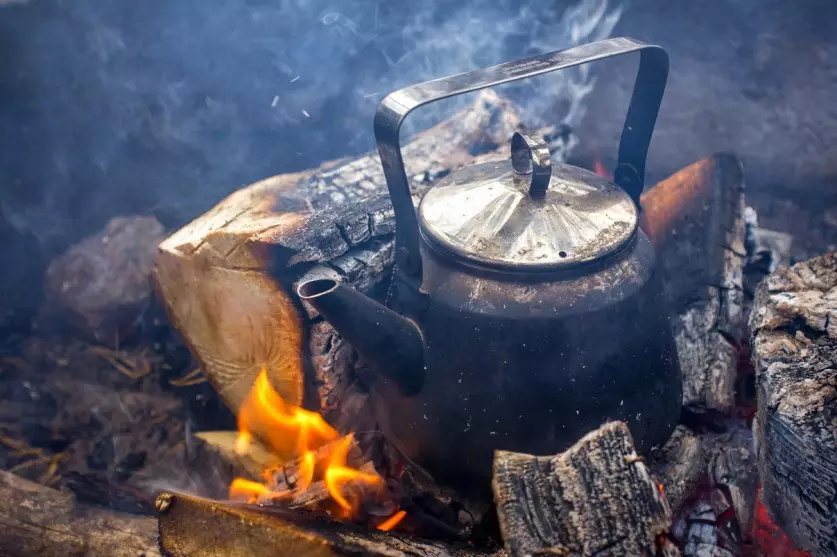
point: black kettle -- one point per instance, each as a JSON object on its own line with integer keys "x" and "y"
{"x": 526, "y": 308}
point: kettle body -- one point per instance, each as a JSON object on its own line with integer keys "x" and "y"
{"x": 526, "y": 308}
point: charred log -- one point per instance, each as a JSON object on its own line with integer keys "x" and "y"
{"x": 39, "y": 521}
{"x": 596, "y": 498}
{"x": 794, "y": 351}
{"x": 678, "y": 466}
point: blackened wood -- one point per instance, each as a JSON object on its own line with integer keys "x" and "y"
{"x": 794, "y": 352}
{"x": 596, "y": 498}
{"x": 678, "y": 466}
{"x": 37, "y": 521}
{"x": 696, "y": 220}
{"x": 194, "y": 527}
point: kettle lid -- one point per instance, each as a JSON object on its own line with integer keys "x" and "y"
{"x": 528, "y": 215}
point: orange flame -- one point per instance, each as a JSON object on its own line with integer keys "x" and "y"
{"x": 292, "y": 433}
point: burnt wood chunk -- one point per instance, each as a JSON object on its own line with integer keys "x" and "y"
{"x": 227, "y": 278}
{"x": 696, "y": 220}
{"x": 794, "y": 352}
{"x": 678, "y": 466}
{"x": 596, "y": 498}
{"x": 37, "y": 521}
{"x": 195, "y": 527}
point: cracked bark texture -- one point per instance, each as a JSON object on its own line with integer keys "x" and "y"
{"x": 794, "y": 351}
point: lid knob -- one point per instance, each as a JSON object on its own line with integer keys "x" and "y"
{"x": 530, "y": 155}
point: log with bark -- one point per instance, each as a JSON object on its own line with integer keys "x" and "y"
{"x": 228, "y": 277}
{"x": 794, "y": 352}
{"x": 37, "y": 521}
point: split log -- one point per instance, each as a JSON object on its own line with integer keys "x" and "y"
{"x": 227, "y": 278}
{"x": 195, "y": 527}
{"x": 696, "y": 220}
{"x": 596, "y": 498}
{"x": 794, "y": 352}
{"x": 678, "y": 466}
{"x": 39, "y": 521}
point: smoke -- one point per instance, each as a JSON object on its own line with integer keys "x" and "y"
{"x": 166, "y": 106}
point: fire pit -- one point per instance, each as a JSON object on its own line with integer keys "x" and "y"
{"x": 291, "y": 455}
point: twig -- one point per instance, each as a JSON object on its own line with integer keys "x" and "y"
{"x": 121, "y": 363}
{"x": 194, "y": 377}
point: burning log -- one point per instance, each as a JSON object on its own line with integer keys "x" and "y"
{"x": 696, "y": 219}
{"x": 596, "y": 498}
{"x": 39, "y": 521}
{"x": 194, "y": 527}
{"x": 794, "y": 351}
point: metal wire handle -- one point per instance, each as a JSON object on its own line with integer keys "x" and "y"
{"x": 633, "y": 145}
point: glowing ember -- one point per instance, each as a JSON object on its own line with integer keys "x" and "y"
{"x": 294, "y": 434}
{"x": 392, "y": 521}
{"x": 768, "y": 539}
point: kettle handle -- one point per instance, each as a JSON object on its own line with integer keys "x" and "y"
{"x": 633, "y": 145}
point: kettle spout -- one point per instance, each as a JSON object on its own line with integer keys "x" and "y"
{"x": 390, "y": 343}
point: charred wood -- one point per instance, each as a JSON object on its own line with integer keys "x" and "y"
{"x": 678, "y": 466}
{"x": 794, "y": 347}
{"x": 596, "y": 498}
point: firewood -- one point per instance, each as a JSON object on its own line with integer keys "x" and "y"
{"x": 227, "y": 278}
{"x": 794, "y": 352}
{"x": 696, "y": 220}
{"x": 678, "y": 466}
{"x": 194, "y": 527}
{"x": 733, "y": 474}
{"x": 596, "y": 498}
{"x": 43, "y": 522}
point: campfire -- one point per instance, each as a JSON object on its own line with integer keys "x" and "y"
{"x": 312, "y": 443}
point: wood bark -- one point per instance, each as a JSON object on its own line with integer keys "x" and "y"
{"x": 38, "y": 521}
{"x": 794, "y": 352}
{"x": 195, "y": 527}
{"x": 596, "y": 498}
